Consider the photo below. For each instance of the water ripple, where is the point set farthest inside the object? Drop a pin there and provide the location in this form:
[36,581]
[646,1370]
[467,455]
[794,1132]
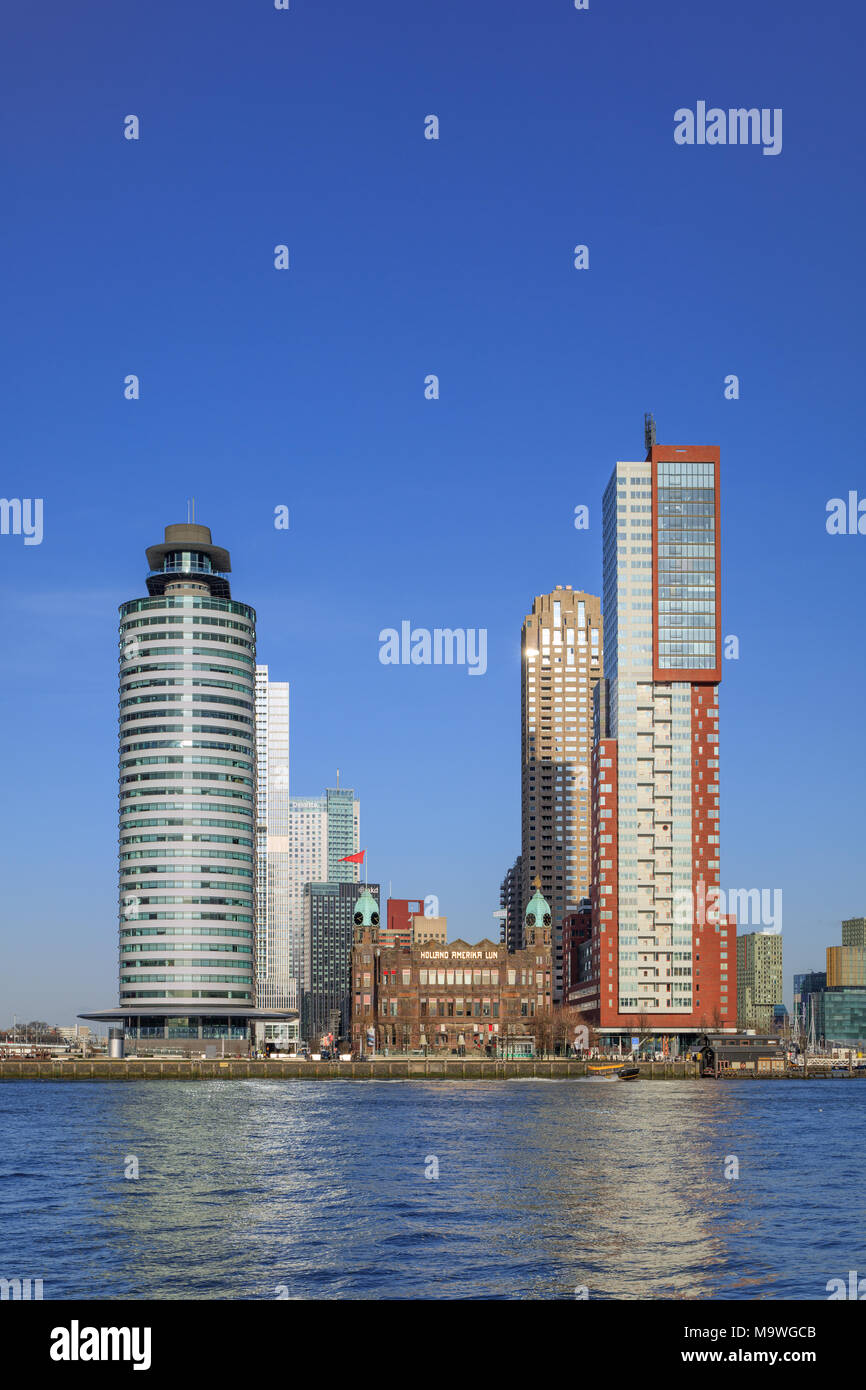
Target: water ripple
[251,1189]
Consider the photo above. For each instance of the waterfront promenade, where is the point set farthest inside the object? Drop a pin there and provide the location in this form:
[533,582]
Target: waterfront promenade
[376,1069]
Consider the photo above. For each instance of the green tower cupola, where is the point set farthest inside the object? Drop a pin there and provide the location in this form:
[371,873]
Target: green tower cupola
[538,919]
[365,917]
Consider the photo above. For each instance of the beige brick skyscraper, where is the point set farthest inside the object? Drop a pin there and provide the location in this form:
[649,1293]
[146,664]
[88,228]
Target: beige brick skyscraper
[561,662]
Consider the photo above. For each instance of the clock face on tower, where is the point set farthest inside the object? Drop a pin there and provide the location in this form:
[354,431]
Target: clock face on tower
[374,918]
[358,918]
[530,919]
[546,919]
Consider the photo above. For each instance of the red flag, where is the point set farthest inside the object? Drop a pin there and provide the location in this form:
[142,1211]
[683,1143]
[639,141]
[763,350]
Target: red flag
[353,858]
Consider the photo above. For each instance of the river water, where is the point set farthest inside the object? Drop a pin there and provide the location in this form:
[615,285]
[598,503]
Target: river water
[432,1190]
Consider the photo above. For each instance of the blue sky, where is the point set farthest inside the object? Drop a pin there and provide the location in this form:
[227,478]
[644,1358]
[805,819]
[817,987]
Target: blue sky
[306,388]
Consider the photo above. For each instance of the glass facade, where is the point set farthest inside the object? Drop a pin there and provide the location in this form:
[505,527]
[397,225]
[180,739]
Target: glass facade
[840,1015]
[686,566]
[327,976]
[186,792]
[343,829]
[187,562]
[846,965]
[145,1026]
[219,605]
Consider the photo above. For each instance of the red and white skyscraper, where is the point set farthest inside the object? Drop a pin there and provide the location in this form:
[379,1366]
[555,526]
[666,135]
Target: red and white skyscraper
[663,959]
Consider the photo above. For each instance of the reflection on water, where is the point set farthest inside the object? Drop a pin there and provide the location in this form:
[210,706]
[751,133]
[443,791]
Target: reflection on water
[320,1187]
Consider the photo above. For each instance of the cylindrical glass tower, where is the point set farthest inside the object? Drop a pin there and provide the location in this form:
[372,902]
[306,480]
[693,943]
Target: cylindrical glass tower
[187,792]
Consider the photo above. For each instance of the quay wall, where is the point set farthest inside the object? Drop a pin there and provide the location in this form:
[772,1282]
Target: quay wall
[376,1069]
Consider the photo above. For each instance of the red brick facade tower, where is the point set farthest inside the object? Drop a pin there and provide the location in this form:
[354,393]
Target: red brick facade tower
[663,960]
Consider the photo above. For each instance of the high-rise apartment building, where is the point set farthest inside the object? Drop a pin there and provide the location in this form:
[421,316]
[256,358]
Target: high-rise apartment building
[511,907]
[276,985]
[187,804]
[759,979]
[562,661]
[664,959]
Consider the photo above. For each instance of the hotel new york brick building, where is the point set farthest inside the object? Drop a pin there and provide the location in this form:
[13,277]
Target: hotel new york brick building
[465,998]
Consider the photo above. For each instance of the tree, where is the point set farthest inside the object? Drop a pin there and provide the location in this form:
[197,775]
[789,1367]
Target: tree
[566,1019]
[544,1031]
[641,1026]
